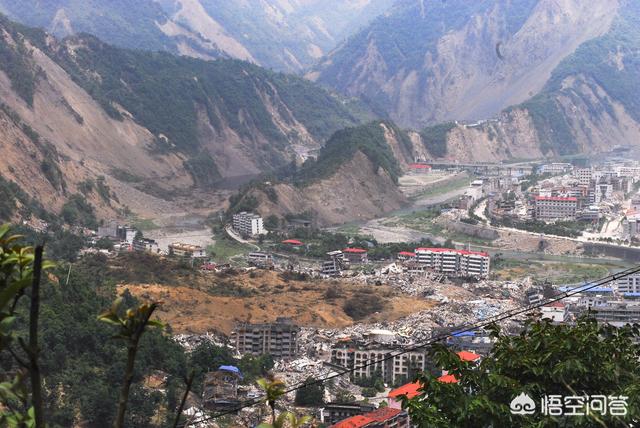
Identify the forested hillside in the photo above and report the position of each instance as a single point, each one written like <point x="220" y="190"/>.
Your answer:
<point x="151" y="124"/>
<point x="354" y="177"/>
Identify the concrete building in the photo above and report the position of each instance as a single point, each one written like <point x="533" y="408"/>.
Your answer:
<point x="631" y="226"/>
<point x="617" y="313"/>
<point x="356" y="255"/>
<point x="602" y="192"/>
<point x="583" y="175"/>
<point x="332" y="413"/>
<point x="380" y="360"/>
<point x="628" y="284"/>
<point x="145" y="244"/>
<point x="248" y="224"/>
<point x="278" y="339"/>
<point x="259" y="259"/>
<point x="383" y="417"/>
<point x="180" y="249"/>
<point x="334" y="264"/>
<point x="551" y="208"/>
<point x="557" y="312"/>
<point x="556" y="168"/>
<point x="220" y="388"/>
<point x="454" y="262"/>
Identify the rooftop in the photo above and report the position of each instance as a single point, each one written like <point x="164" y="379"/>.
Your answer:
<point x="292" y="242"/>
<point x="354" y="250"/>
<point x="556" y="199"/>
<point x="468" y="356"/>
<point x="409" y="390"/>
<point x="451" y="250"/>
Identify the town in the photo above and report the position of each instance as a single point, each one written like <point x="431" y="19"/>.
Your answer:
<point x="374" y="363"/>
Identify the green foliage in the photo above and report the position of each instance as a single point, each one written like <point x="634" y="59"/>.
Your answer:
<point x="545" y="359"/>
<point x="363" y="304"/>
<point x="167" y="94"/>
<point x="10" y="195"/>
<point x="78" y="212"/>
<point x="203" y="170"/>
<point x="81" y="362"/>
<point x="434" y="138"/>
<point x="17" y="62"/>
<point x="52" y="173"/>
<point x="571" y="229"/>
<point x="311" y="394"/>
<point x="103" y="189"/>
<point x="342" y="146"/>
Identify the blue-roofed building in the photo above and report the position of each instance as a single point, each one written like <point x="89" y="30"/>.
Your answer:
<point x="220" y="389"/>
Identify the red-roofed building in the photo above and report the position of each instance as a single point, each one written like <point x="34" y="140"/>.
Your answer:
<point x="454" y="262"/>
<point x="550" y="208"/>
<point x="384" y="417"/>
<point x="356" y="255"/>
<point x="420" y="167"/>
<point x="409" y="390"/>
<point x="557" y="312"/>
<point x="353" y="422"/>
<point x="293" y="242"/>
<point x="406" y="256"/>
<point x="468" y="356"/>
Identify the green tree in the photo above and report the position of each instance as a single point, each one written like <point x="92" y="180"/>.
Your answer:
<point x="274" y="389"/>
<point x="545" y="359"/>
<point x="310" y="394"/>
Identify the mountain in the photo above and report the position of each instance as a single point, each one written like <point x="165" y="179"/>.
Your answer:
<point x="353" y="178"/>
<point x="150" y="125"/>
<point x="589" y="104"/>
<point x="552" y="77"/>
<point x="286" y="35"/>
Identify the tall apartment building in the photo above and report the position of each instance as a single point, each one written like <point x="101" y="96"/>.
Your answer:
<point x="249" y="224"/>
<point x="378" y="361"/>
<point x="583" y="175"/>
<point x="454" y="262"/>
<point x="278" y="339"/>
<point x="629" y="284"/>
<point x="550" y="208"/>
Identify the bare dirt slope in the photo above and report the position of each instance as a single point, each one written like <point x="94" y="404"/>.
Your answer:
<point x="263" y="296"/>
<point x="357" y="191"/>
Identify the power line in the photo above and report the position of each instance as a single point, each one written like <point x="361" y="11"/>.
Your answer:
<point x="454" y="330"/>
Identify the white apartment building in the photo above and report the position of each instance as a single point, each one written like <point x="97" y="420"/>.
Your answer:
<point x="378" y="361"/>
<point x="631" y="226"/>
<point x="549" y="208"/>
<point x="249" y="224"/>
<point x="602" y="192"/>
<point x="556" y="168"/>
<point x="583" y="175"/>
<point x="629" y="284"/>
<point x="454" y="262"/>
